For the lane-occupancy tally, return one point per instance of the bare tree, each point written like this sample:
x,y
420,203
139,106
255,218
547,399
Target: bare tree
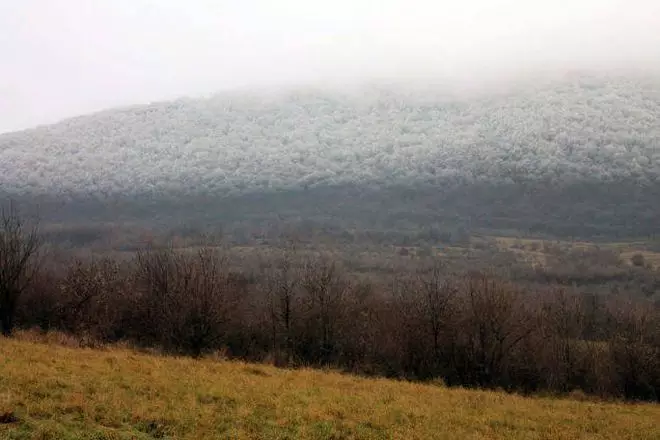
x,y
424,304
325,289
635,360
564,322
282,285
206,301
436,295
19,248
156,272
89,292
496,322
187,299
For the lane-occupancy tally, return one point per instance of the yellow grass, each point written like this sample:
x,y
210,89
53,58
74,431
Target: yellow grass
x,y
532,249
651,258
61,392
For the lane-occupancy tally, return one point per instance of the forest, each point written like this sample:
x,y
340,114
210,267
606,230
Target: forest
x,y
572,157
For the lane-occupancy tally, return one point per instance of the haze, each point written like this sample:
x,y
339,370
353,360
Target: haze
x,y
70,57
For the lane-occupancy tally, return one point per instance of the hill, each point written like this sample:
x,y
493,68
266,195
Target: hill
x,y
113,393
605,128
575,155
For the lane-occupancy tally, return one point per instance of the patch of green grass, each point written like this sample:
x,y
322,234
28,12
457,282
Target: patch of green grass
x,y
60,392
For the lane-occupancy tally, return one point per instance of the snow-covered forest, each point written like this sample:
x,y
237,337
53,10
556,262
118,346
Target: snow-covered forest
x,y
578,156
561,130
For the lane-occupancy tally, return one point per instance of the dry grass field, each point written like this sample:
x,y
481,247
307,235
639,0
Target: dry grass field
x,y
533,250
51,390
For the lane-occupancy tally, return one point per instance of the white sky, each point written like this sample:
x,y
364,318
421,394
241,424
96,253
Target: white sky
x,y
59,58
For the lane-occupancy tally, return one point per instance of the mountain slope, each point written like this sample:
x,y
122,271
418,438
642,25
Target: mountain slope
x,y
604,129
578,155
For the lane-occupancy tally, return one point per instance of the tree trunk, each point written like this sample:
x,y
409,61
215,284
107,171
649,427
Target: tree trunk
x,y
6,322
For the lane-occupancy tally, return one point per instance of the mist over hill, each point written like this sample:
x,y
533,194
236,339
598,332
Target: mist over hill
x,y
574,152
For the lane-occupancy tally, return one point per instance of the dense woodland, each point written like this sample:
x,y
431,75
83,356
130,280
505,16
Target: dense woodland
x,y
574,156
560,130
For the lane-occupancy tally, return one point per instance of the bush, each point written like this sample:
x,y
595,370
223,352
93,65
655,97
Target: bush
x,y
638,260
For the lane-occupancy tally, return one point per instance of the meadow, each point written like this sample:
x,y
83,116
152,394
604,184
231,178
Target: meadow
x,y
52,387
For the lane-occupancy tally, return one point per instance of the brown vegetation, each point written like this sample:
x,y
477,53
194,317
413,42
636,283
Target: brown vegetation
x,y
467,329
421,322
19,246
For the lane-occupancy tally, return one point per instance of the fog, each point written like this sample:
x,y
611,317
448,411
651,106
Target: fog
x,y
68,57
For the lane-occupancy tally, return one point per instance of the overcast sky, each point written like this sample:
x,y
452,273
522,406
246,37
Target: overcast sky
x,y
60,58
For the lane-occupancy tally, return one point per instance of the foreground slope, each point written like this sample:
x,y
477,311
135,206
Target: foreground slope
x,y
60,392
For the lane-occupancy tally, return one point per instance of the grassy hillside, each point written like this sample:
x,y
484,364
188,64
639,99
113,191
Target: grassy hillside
x,y
59,392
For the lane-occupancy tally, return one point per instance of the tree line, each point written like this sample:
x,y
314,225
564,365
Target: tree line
x,y
294,309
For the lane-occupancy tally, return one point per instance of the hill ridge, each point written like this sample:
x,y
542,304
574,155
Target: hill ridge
x,y
560,130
